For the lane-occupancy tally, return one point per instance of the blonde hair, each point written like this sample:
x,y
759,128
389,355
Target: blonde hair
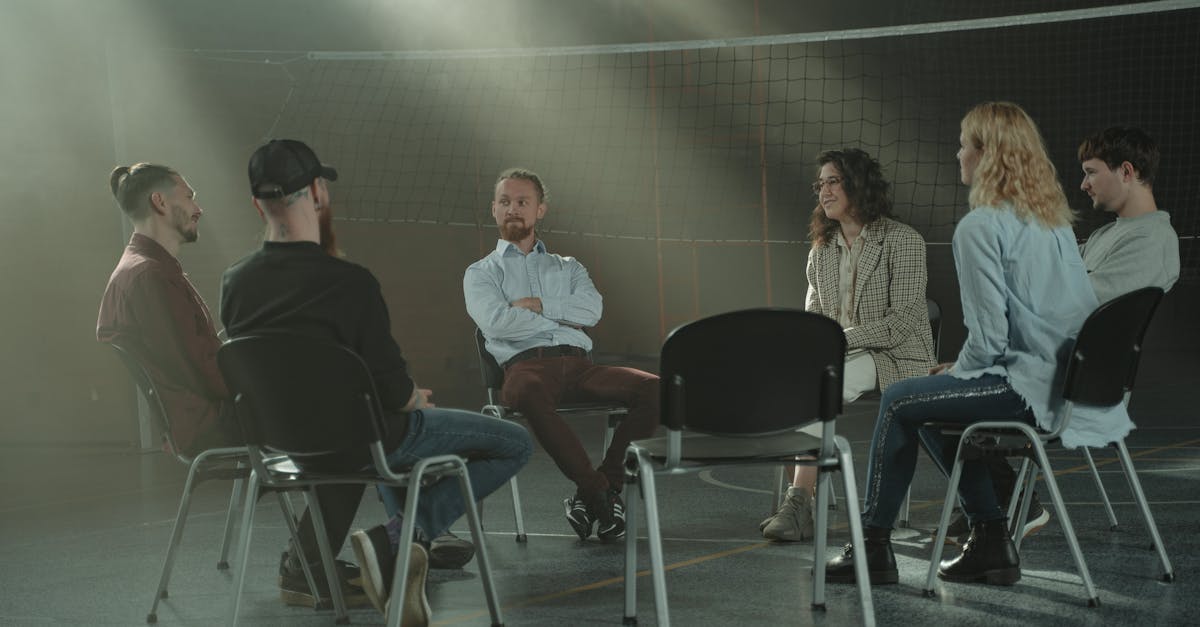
x,y
1013,165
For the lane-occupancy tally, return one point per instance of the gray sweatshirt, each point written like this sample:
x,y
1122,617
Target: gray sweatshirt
x,y
1132,253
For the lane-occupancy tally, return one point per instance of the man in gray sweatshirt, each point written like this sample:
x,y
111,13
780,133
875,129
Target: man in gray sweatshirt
x,y
1139,249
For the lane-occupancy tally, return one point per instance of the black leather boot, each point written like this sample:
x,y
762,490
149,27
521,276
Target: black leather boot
x,y
988,556
881,562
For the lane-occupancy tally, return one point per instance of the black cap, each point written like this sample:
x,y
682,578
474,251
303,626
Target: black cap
x,y
283,166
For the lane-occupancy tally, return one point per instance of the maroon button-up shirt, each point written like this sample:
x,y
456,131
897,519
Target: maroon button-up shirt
x,y
150,308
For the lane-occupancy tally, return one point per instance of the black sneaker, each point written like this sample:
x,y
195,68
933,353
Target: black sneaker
x,y
449,551
373,550
580,518
293,587
611,518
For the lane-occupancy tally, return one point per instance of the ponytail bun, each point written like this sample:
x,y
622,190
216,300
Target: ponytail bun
x,y
114,180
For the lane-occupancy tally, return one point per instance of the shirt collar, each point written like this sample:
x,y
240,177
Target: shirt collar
x,y
147,247
503,246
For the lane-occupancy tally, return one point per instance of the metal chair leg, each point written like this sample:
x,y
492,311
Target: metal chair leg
x,y
185,502
654,537
1112,518
327,558
1065,523
243,548
517,515
777,496
235,499
820,536
289,517
631,523
904,508
1148,518
939,541
481,554
856,531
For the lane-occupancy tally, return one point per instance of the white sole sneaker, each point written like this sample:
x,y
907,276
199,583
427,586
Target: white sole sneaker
x,y
1035,523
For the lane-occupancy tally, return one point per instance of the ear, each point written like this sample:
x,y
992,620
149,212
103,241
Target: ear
x,y
258,208
541,210
158,204
1128,173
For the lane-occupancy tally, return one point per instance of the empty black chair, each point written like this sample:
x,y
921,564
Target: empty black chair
x,y
493,380
315,402
1101,371
738,385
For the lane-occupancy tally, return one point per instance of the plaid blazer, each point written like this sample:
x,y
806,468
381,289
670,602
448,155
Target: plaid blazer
x,y
892,321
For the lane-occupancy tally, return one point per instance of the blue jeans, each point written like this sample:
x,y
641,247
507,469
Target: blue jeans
x,y
908,404
494,449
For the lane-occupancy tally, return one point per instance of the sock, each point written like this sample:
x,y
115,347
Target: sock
x,y
393,530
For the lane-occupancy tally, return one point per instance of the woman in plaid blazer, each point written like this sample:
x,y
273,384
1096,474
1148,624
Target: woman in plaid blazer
x,y
868,272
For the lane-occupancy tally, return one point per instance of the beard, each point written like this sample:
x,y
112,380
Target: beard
x,y
328,239
515,230
188,230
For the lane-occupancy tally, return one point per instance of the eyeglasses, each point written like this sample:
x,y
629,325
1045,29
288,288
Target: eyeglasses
x,y
832,181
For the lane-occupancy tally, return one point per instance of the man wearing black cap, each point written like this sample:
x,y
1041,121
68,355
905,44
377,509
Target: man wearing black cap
x,y
293,284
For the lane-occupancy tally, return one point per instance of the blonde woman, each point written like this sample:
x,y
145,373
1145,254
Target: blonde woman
x,y
1025,294
867,271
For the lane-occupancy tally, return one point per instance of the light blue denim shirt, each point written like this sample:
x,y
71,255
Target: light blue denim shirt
x,y
570,301
1025,294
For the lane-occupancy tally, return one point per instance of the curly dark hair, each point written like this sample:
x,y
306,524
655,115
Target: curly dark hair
x,y
862,181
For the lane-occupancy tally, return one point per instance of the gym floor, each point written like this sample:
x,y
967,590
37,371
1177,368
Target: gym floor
x,y
84,532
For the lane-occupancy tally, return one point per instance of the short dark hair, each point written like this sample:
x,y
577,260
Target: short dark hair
x,y
132,186
525,175
863,182
1117,144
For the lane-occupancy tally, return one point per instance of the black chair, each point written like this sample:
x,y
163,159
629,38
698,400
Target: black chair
x,y
493,380
226,464
1101,371
315,402
735,388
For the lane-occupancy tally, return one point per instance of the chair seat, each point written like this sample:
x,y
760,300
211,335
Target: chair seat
x,y
717,449
284,470
573,408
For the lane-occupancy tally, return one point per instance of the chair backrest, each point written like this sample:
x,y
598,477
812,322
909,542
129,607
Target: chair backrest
x,y
752,372
301,396
935,325
145,384
492,373
1104,360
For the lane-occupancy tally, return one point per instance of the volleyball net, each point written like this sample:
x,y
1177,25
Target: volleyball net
x,y
715,141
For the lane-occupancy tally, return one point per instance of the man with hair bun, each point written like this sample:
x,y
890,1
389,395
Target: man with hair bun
x,y
150,307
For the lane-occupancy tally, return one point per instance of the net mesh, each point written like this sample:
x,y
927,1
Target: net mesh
x,y
716,141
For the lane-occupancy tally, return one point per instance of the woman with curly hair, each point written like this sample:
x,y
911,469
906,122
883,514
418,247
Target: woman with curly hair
x,y
867,271
1025,294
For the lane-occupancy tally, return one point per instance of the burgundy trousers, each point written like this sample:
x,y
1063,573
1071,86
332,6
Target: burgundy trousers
x,y
536,388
